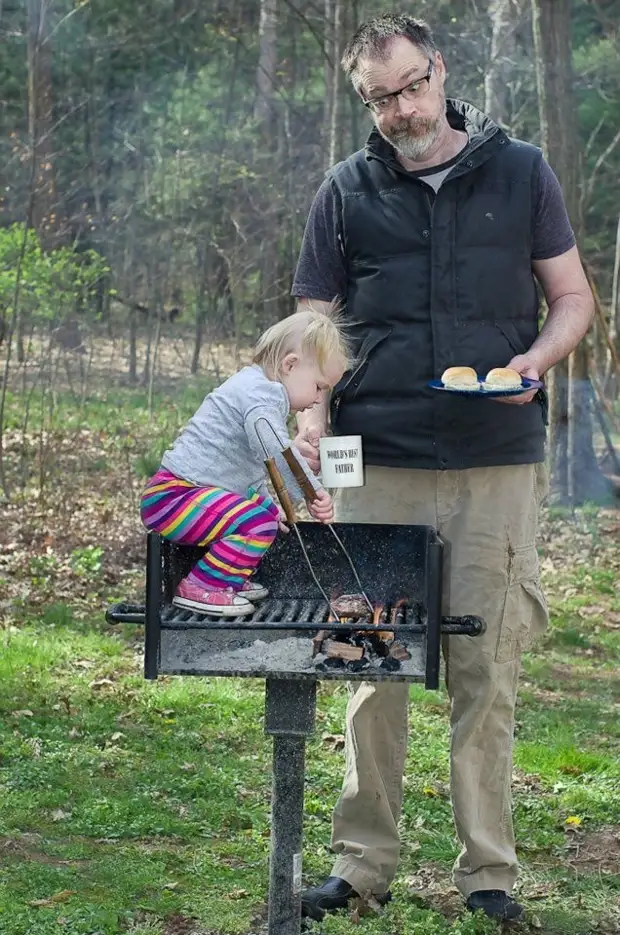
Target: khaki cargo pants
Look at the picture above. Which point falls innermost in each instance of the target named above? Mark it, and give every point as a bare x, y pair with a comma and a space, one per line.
488, 519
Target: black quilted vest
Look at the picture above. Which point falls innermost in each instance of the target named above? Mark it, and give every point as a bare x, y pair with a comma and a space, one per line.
436, 281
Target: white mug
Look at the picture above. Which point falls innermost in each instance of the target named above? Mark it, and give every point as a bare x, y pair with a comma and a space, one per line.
342, 463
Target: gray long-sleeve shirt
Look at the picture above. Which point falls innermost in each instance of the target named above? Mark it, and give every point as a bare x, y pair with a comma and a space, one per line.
220, 447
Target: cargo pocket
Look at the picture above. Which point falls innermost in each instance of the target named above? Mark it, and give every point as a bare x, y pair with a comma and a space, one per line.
525, 615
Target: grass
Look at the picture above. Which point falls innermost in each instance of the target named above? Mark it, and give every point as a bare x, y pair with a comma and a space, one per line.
135, 807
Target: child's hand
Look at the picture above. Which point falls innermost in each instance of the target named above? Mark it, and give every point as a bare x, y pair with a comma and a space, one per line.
282, 521
322, 507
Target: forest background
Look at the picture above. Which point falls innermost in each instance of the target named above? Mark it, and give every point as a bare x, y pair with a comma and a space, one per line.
157, 163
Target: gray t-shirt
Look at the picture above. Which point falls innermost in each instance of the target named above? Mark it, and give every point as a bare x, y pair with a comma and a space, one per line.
321, 269
221, 444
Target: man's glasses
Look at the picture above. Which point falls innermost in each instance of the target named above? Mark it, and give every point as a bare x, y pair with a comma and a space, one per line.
411, 92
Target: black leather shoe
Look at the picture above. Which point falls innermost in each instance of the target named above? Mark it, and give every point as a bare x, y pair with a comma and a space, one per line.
496, 904
334, 894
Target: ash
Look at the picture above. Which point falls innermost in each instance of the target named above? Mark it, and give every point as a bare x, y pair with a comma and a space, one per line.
293, 653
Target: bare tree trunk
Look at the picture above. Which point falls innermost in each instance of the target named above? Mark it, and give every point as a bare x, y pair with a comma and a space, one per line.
575, 475
497, 80
269, 155
610, 382
352, 21
267, 63
336, 115
133, 347
202, 253
46, 215
329, 73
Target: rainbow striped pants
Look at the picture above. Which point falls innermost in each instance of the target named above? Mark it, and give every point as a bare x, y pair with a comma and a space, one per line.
236, 532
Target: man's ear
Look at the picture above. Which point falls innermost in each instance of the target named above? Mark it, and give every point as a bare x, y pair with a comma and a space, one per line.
439, 66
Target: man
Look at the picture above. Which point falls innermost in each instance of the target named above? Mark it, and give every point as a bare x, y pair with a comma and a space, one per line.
432, 236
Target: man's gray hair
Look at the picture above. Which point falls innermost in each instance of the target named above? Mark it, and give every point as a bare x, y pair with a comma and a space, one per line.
372, 38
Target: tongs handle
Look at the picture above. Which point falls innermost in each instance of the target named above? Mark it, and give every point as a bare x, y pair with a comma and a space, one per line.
280, 488
299, 474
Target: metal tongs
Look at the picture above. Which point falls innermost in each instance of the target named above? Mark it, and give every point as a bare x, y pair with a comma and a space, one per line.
309, 494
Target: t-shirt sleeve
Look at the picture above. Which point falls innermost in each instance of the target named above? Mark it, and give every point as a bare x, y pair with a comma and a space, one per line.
321, 270
553, 234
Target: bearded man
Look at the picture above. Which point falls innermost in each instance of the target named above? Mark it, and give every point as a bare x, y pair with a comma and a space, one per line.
433, 236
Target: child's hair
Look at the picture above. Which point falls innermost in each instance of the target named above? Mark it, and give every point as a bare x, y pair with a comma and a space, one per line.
309, 331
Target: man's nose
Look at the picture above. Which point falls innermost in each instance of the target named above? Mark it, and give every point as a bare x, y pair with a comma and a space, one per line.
406, 108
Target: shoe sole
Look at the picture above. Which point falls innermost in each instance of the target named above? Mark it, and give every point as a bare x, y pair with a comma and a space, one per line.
497, 916
215, 610
255, 595
316, 912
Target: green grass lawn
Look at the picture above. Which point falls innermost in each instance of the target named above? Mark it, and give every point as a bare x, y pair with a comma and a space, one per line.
143, 807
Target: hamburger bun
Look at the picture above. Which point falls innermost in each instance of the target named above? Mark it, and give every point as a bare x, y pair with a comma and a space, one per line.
503, 378
460, 378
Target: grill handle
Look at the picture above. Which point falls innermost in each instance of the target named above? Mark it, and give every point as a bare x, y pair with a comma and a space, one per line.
465, 626
298, 473
125, 613
280, 488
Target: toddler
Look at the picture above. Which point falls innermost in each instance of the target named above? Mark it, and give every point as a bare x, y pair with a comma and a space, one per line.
210, 489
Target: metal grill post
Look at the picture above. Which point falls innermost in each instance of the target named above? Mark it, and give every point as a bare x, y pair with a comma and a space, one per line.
153, 606
290, 707
434, 585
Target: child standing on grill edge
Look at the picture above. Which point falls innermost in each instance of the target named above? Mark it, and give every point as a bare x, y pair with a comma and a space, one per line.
210, 489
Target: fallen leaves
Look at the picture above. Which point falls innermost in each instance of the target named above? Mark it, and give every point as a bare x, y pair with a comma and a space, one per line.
595, 851
59, 815
101, 683
61, 897
334, 741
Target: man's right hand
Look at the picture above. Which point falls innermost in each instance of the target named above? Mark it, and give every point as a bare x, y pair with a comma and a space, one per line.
307, 443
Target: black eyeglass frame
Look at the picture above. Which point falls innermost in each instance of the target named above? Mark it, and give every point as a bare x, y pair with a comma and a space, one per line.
396, 94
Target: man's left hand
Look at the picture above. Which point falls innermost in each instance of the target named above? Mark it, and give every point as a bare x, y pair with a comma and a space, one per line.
527, 368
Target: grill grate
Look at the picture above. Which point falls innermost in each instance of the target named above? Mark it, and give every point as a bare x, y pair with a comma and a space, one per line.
295, 612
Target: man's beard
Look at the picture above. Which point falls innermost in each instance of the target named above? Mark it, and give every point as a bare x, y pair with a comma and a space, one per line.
414, 137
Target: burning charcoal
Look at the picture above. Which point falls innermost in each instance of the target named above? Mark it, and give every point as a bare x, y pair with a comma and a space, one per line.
351, 605
390, 664
335, 649
414, 613
398, 615
333, 664
376, 645
399, 651
317, 642
380, 616
357, 665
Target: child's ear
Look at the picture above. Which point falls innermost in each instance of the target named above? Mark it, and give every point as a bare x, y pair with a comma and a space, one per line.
289, 362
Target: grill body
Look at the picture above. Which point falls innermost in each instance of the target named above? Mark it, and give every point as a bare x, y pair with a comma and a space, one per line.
396, 564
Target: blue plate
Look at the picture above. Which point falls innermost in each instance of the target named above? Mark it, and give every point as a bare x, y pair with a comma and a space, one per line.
526, 386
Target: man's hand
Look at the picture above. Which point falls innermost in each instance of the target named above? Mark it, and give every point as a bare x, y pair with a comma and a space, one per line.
527, 368
322, 507
307, 443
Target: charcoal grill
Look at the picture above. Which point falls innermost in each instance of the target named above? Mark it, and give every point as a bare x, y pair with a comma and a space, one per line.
401, 567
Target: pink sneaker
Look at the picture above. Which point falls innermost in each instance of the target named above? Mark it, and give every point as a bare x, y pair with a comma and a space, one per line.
253, 590
221, 603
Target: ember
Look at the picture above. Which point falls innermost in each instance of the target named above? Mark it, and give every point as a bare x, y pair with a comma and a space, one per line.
357, 649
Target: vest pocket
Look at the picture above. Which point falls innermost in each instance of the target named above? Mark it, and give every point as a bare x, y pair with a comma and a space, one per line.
520, 345
525, 614
349, 386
